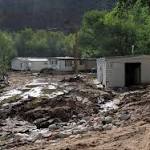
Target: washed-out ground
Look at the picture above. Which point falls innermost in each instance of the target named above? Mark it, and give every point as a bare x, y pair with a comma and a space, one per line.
69, 112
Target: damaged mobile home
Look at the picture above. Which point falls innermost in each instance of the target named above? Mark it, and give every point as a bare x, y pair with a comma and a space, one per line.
64, 64
68, 63
29, 64
123, 70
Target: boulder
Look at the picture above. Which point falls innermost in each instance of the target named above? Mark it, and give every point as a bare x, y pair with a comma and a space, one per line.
97, 128
45, 133
37, 113
107, 126
82, 121
124, 116
63, 113
107, 120
53, 127
64, 134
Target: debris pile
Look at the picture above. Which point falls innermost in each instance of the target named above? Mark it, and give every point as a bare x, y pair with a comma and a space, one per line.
68, 107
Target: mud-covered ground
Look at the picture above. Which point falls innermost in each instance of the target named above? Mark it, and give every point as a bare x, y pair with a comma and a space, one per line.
69, 112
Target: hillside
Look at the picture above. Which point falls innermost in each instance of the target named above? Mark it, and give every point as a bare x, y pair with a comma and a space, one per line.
60, 14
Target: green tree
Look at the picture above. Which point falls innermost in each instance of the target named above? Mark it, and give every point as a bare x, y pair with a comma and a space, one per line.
22, 40
105, 34
42, 43
38, 45
128, 4
7, 51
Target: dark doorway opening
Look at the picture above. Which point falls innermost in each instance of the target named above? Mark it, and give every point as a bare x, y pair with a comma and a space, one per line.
132, 74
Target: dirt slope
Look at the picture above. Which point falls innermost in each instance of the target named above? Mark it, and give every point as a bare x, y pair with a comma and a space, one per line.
134, 137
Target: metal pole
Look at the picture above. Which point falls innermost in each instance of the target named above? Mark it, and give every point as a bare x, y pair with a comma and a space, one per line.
76, 53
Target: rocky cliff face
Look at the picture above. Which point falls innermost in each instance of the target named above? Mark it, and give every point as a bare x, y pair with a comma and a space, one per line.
60, 14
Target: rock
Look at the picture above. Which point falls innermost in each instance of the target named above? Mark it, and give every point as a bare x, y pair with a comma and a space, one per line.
75, 131
16, 104
80, 130
82, 121
45, 133
97, 119
113, 111
105, 113
97, 128
6, 106
85, 100
39, 141
74, 116
116, 101
117, 124
79, 98
37, 113
73, 79
108, 120
42, 122
21, 136
72, 124
4, 113
35, 135
64, 134
80, 115
77, 136
25, 137
107, 126
124, 116
62, 124
53, 127
22, 129
38, 121
63, 113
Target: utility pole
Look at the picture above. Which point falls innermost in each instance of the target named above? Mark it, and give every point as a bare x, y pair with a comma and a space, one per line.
132, 49
73, 28
76, 53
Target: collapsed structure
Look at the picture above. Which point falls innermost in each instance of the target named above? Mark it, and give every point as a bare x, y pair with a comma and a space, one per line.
55, 63
123, 70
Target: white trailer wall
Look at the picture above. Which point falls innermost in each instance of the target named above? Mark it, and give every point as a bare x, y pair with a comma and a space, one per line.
65, 65
115, 70
101, 71
18, 64
38, 65
33, 64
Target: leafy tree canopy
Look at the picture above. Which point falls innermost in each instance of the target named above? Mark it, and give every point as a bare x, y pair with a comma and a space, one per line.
116, 32
7, 51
